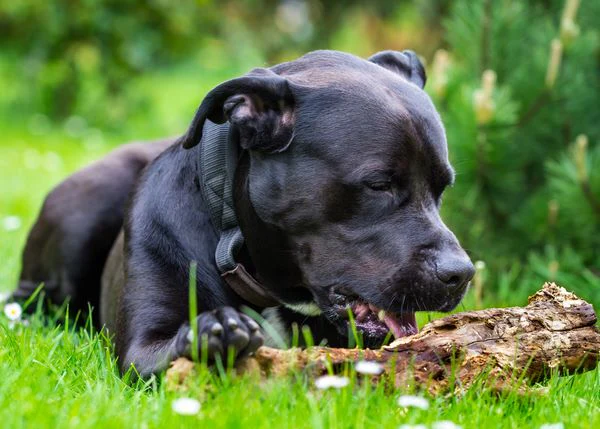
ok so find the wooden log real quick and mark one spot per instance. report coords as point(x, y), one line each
point(500, 347)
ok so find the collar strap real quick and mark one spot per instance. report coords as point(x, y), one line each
point(248, 288)
point(217, 163)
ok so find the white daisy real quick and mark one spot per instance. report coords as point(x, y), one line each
point(558, 425)
point(11, 223)
point(186, 406)
point(13, 311)
point(368, 367)
point(413, 401)
point(445, 424)
point(331, 381)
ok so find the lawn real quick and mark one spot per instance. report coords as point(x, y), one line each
point(62, 376)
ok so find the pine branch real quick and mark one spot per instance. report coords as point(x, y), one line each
point(485, 36)
point(591, 198)
point(538, 104)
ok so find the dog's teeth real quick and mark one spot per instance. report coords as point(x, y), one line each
point(381, 315)
point(216, 329)
point(232, 323)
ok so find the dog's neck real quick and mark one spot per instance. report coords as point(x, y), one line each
point(252, 256)
point(266, 252)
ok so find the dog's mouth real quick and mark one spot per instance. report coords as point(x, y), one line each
point(373, 321)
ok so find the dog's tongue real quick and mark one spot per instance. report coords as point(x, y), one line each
point(401, 325)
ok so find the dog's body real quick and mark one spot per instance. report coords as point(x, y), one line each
point(78, 224)
point(336, 190)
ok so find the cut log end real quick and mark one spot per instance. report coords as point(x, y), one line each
point(555, 332)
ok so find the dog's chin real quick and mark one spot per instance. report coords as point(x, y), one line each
point(374, 324)
point(450, 303)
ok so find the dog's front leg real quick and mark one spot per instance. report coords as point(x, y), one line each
point(220, 332)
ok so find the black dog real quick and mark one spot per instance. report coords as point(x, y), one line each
point(335, 168)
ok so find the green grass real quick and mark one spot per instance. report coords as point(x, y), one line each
point(62, 377)
point(65, 376)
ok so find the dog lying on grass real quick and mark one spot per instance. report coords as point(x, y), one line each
point(312, 187)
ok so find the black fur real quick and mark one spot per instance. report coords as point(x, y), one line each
point(77, 226)
point(338, 188)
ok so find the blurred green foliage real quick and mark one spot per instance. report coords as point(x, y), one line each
point(524, 144)
point(519, 87)
point(75, 56)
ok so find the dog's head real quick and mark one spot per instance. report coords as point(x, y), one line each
point(346, 163)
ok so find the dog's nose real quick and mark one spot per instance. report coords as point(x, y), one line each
point(455, 271)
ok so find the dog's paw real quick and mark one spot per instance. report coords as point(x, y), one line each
point(222, 330)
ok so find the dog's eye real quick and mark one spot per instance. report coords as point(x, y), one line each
point(381, 185)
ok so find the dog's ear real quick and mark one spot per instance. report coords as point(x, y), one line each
point(259, 105)
point(405, 63)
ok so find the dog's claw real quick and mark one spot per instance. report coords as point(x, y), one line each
point(232, 324)
point(216, 329)
point(253, 326)
point(239, 339)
